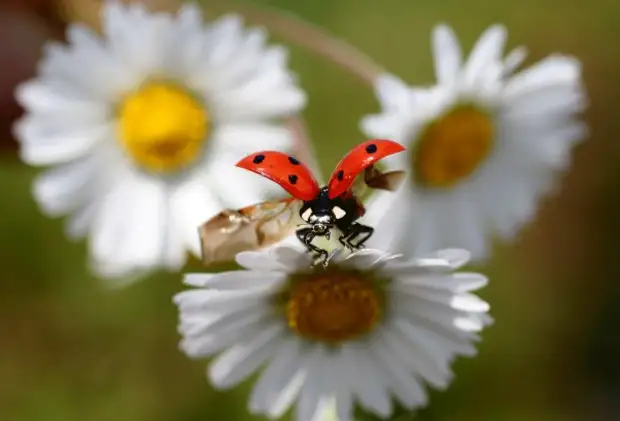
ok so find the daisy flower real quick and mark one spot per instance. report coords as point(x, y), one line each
point(366, 329)
point(485, 143)
point(144, 124)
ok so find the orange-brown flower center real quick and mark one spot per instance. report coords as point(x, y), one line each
point(451, 148)
point(333, 306)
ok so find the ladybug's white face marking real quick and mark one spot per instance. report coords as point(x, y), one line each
point(307, 214)
point(324, 219)
point(339, 213)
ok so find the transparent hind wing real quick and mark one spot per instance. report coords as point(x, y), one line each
point(373, 178)
point(247, 229)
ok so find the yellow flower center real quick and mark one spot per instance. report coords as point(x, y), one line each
point(162, 127)
point(453, 147)
point(333, 306)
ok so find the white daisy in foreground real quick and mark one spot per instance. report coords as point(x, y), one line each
point(484, 144)
point(145, 125)
point(368, 328)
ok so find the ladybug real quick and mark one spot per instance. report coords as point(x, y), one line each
point(321, 209)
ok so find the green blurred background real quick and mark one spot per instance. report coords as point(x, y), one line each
point(71, 350)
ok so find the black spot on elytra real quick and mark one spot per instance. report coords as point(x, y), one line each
point(292, 179)
point(293, 161)
point(258, 159)
point(372, 148)
point(340, 175)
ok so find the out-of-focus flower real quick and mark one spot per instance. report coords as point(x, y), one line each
point(366, 328)
point(484, 144)
point(145, 125)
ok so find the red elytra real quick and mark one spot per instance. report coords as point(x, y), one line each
point(288, 172)
point(298, 180)
point(357, 160)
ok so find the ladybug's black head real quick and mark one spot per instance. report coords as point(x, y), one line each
point(320, 218)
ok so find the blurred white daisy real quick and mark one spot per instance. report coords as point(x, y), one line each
point(368, 328)
point(145, 124)
point(484, 144)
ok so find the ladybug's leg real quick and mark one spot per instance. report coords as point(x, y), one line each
point(343, 241)
point(358, 232)
point(305, 235)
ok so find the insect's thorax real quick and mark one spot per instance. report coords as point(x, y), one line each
point(340, 211)
point(321, 205)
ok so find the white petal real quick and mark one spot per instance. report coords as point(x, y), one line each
point(393, 93)
point(186, 41)
point(514, 60)
point(238, 188)
point(469, 324)
point(269, 94)
point(132, 35)
point(88, 68)
point(553, 70)
point(391, 126)
point(405, 386)
point(218, 300)
point(372, 395)
point(343, 391)
point(447, 54)
point(469, 229)
point(469, 281)
point(389, 228)
point(291, 256)
point(424, 361)
point(207, 325)
point(67, 187)
point(281, 381)
point(443, 338)
point(487, 52)
point(222, 37)
point(464, 302)
point(118, 274)
point(130, 226)
point(80, 221)
point(425, 224)
point(379, 205)
point(435, 312)
point(192, 204)
point(44, 142)
point(422, 267)
point(54, 97)
point(455, 257)
point(234, 280)
point(243, 359)
point(309, 403)
point(103, 73)
point(259, 260)
point(365, 258)
point(459, 282)
point(468, 302)
point(174, 254)
point(239, 65)
point(228, 334)
point(246, 138)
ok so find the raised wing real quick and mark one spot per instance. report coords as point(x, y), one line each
point(288, 172)
point(251, 228)
point(357, 160)
point(373, 178)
